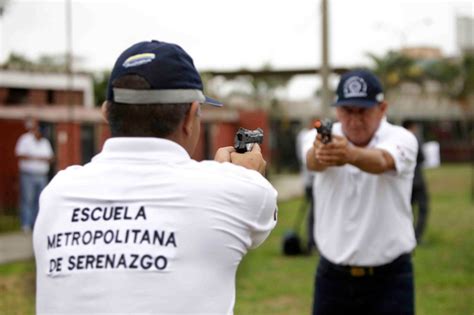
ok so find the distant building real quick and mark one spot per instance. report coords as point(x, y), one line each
point(20, 87)
point(465, 34)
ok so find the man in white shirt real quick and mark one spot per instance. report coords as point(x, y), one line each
point(143, 228)
point(35, 155)
point(364, 228)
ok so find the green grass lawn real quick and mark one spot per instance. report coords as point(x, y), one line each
point(9, 222)
point(17, 288)
point(269, 283)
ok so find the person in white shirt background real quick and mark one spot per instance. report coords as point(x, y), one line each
point(143, 228)
point(35, 156)
point(364, 224)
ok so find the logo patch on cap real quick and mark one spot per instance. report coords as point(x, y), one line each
point(138, 60)
point(355, 87)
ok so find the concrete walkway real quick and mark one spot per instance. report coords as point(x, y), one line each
point(17, 246)
point(288, 186)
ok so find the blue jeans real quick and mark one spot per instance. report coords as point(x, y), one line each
point(388, 290)
point(31, 186)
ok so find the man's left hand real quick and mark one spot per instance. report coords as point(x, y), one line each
point(335, 153)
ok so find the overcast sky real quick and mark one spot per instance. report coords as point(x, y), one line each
point(231, 34)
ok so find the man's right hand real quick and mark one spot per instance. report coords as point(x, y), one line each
point(252, 160)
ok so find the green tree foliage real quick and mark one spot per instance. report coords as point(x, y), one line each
point(100, 86)
point(18, 62)
point(45, 63)
point(455, 75)
point(395, 68)
point(264, 87)
point(468, 76)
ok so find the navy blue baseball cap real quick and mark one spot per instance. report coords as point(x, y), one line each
point(166, 67)
point(359, 88)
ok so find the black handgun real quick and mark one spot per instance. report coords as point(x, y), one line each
point(244, 139)
point(324, 128)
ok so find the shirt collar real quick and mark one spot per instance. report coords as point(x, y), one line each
point(146, 149)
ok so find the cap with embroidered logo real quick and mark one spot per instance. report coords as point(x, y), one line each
point(359, 88)
point(167, 68)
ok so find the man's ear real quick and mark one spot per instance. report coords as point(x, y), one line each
point(104, 109)
point(193, 114)
point(383, 107)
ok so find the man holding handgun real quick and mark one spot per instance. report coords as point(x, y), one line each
point(143, 228)
point(364, 228)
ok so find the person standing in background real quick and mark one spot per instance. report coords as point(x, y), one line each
point(419, 193)
point(35, 155)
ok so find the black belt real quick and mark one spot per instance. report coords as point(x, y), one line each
point(361, 271)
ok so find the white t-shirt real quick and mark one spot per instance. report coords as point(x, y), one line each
point(28, 145)
point(143, 228)
point(364, 219)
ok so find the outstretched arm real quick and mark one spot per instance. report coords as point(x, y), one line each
point(339, 152)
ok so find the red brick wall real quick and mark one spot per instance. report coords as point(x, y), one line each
point(40, 97)
point(200, 151)
point(222, 135)
point(37, 97)
point(10, 131)
point(3, 95)
point(68, 145)
point(103, 133)
point(68, 97)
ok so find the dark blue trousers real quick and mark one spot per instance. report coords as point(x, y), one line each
point(419, 197)
point(385, 290)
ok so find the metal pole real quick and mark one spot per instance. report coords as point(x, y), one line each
point(68, 49)
point(325, 93)
point(3, 5)
point(69, 83)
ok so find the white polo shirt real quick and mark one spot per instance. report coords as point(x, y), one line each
point(364, 219)
point(28, 145)
point(144, 229)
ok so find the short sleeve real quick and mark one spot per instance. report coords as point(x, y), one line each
point(307, 143)
point(267, 218)
point(403, 147)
